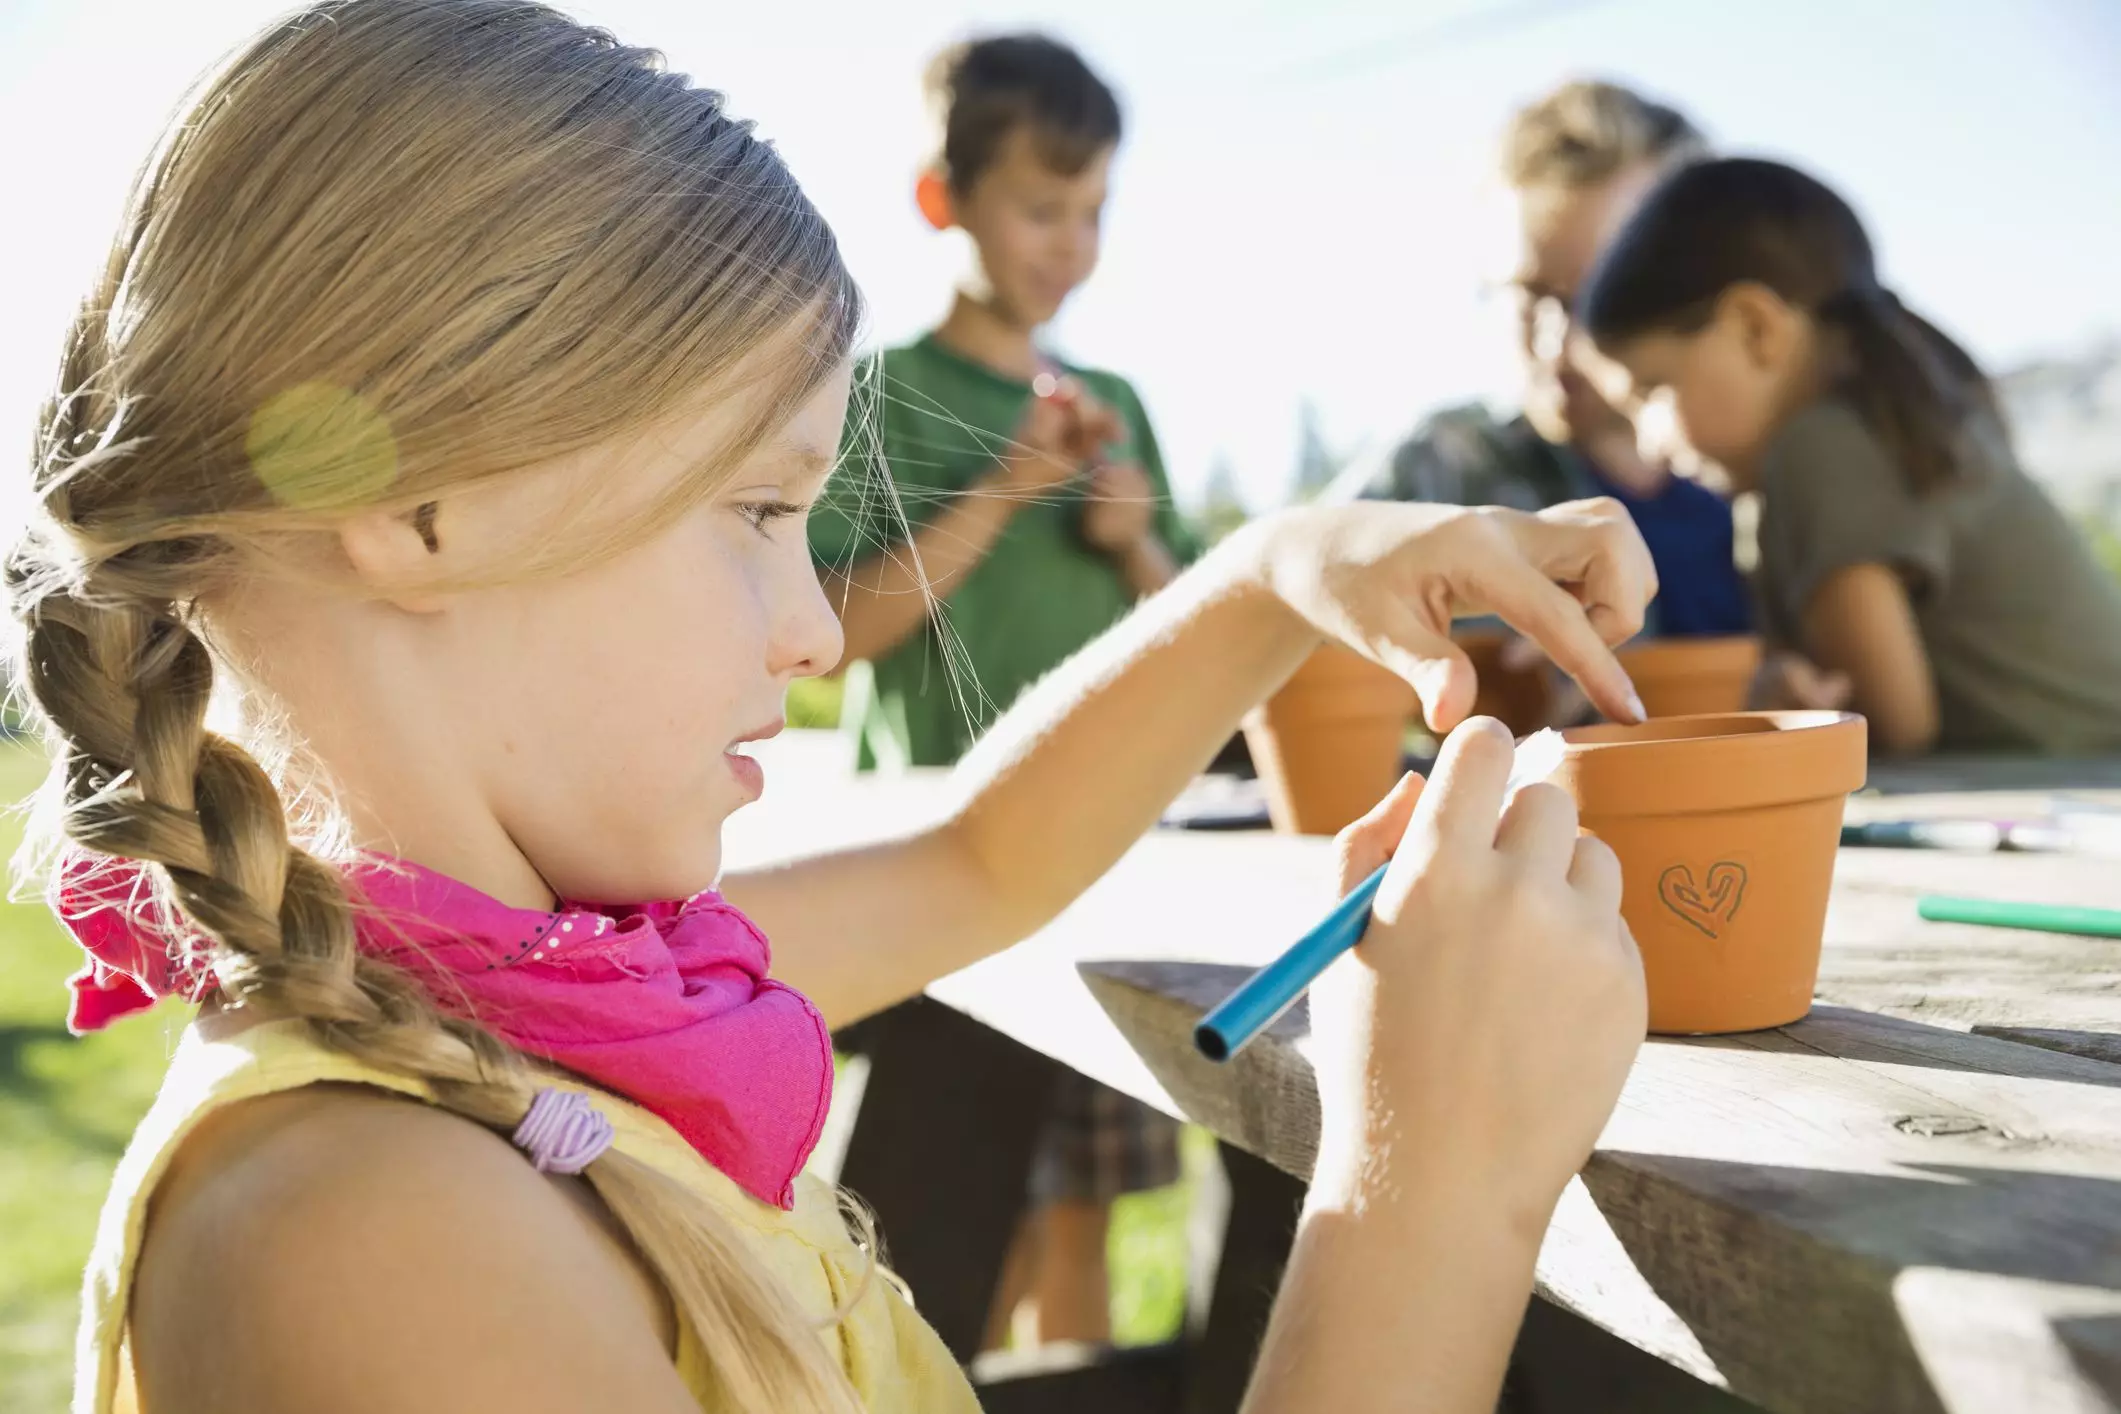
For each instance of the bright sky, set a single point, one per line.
(1303, 205)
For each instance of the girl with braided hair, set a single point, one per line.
(1902, 550)
(419, 539)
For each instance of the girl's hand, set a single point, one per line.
(1387, 578)
(1472, 1047)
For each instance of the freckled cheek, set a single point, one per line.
(744, 595)
(677, 648)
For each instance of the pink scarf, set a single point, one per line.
(666, 1004)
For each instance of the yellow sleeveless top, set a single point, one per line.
(895, 1361)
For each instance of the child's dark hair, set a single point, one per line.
(985, 89)
(1715, 224)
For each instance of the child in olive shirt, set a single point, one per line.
(1900, 543)
(1039, 513)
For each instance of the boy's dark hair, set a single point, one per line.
(1586, 130)
(985, 89)
(1711, 225)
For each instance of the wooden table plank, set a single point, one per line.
(1828, 1217)
(1880, 956)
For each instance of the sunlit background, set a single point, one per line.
(1304, 211)
(1304, 233)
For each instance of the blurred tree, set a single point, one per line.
(1223, 508)
(2105, 536)
(1316, 462)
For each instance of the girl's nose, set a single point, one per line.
(807, 638)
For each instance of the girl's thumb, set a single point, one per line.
(1371, 842)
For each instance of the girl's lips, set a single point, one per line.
(750, 775)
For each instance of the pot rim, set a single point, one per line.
(1796, 756)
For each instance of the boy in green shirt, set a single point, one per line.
(1039, 513)
(1034, 489)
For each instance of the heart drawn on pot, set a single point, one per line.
(1708, 907)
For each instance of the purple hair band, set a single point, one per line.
(563, 1132)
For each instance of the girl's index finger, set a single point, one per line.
(1553, 618)
(1595, 548)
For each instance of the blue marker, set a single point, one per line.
(1272, 990)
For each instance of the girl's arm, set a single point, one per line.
(337, 1250)
(1085, 762)
(1860, 622)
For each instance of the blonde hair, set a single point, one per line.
(392, 248)
(1585, 131)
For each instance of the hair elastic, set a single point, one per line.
(563, 1132)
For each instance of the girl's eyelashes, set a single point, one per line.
(763, 513)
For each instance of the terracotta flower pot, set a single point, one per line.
(1685, 677)
(1726, 828)
(1327, 745)
(1519, 698)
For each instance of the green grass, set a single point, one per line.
(1145, 1251)
(2106, 543)
(814, 702)
(68, 1105)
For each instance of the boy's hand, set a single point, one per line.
(1060, 431)
(1121, 511)
(1097, 423)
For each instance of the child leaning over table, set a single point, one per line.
(1038, 510)
(1900, 542)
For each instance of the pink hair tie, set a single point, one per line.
(563, 1132)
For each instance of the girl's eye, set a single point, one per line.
(763, 513)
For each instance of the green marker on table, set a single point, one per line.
(2002, 913)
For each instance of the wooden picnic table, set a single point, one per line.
(1909, 1201)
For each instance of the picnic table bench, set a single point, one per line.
(1908, 1201)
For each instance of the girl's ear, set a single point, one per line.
(395, 554)
(931, 193)
(1768, 327)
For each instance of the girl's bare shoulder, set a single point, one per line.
(338, 1247)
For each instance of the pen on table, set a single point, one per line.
(2004, 913)
(1272, 990)
(2061, 834)
(1977, 835)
